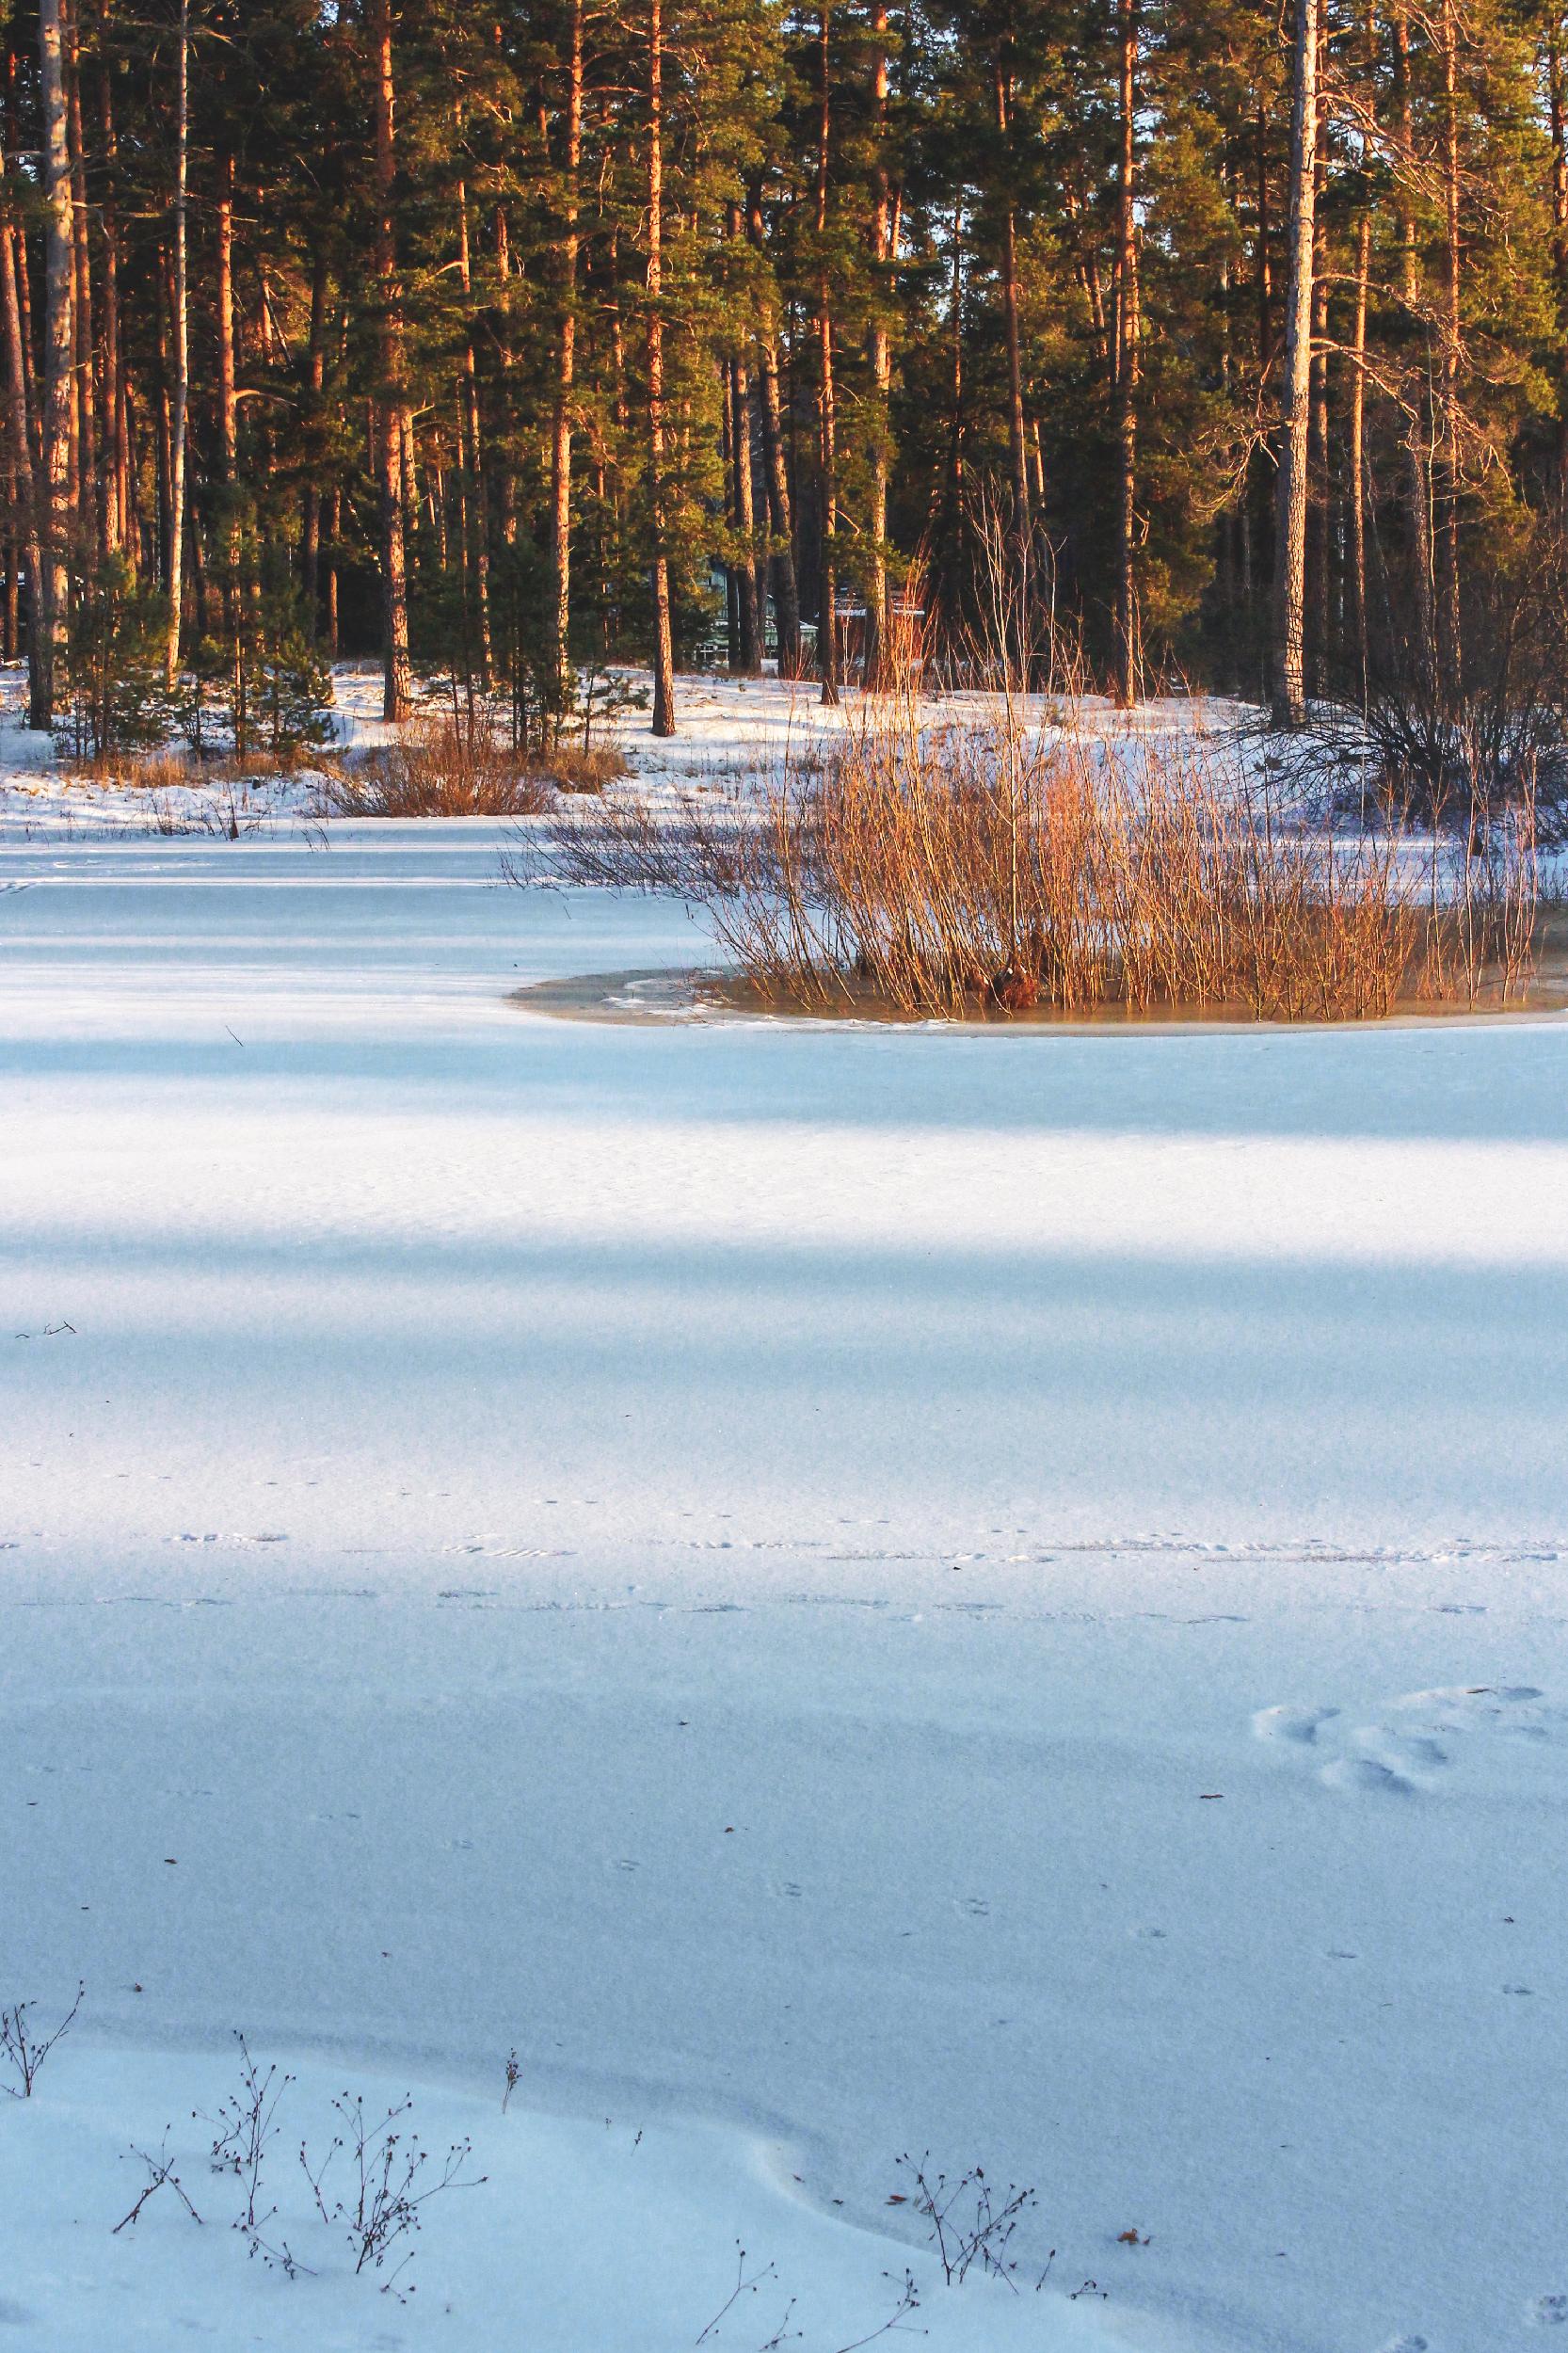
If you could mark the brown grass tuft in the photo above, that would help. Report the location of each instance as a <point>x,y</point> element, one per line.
<point>436,769</point>
<point>171,770</point>
<point>577,771</point>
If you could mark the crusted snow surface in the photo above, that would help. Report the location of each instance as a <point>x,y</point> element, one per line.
<point>842,1592</point>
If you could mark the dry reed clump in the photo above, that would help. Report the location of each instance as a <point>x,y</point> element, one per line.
<point>437,769</point>
<point>573,769</point>
<point>170,770</point>
<point>1003,867</point>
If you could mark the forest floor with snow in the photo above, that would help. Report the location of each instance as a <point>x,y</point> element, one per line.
<point>842,1592</point>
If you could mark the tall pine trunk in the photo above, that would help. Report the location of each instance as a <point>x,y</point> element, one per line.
<point>117,533</point>
<point>880,355</point>
<point>1418,436</point>
<point>1453,648</point>
<point>952,472</point>
<point>749,646</point>
<point>566,369</point>
<point>60,356</point>
<point>1358,456</point>
<point>476,516</point>
<point>397,696</point>
<point>1128,651</point>
<point>664,649</point>
<point>85,387</point>
<point>1018,526</point>
<point>828,414</point>
<point>309,528</point>
<point>24,442</point>
<point>174,553</point>
<point>228,427</point>
<point>776,475</point>
<point>1289,683</point>
<point>1560,241</point>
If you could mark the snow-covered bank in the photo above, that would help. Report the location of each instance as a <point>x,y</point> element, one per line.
<point>731,733</point>
<point>593,2233</point>
<point>1000,1594</point>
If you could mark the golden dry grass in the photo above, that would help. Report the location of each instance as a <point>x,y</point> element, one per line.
<point>174,770</point>
<point>437,769</point>
<point>946,869</point>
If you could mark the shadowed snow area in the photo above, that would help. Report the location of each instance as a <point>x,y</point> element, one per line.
<point>840,1591</point>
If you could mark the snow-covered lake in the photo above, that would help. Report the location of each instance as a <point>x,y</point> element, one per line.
<point>841,1592</point>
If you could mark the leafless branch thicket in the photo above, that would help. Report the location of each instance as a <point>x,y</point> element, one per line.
<point>752,2283</point>
<point>160,2175</point>
<point>246,2126</point>
<point>24,2049</point>
<point>388,2186</point>
<point>971,2226</point>
<point>908,2303</point>
<point>439,768</point>
<point>743,2286</point>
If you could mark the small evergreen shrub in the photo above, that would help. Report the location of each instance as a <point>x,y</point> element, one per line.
<point>114,696</point>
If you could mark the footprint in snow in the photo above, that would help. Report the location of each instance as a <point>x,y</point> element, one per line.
<point>975,1908</point>
<point>1409,1751</point>
<point>1385,1760</point>
<point>1365,1772</point>
<point>1548,2312</point>
<point>1519,1711</point>
<point>1299,1725</point>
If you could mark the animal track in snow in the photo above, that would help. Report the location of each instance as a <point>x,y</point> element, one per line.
<point>1548,2312</point>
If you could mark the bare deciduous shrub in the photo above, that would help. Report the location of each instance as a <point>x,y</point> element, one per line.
<point>743,2286</point>
<point>383,2202</point>
<point>24,2049</point>
<point>439,768</point>
<point>753,2283</point>
<point>783,2334</point>
<point>246,2126</point>
<point>1454,728</point>
<point>1007,861</point>
<point>221,813</point>
<point>160,2175</point>
<point>898,2319</point>
<point>970,2227</point>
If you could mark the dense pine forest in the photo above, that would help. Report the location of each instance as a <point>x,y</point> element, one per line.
<point>519,340</point>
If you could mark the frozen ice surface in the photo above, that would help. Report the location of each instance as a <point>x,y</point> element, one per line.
<point>840,1591</point>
